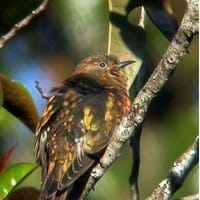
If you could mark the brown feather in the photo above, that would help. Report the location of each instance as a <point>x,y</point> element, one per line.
<point>75,128</point>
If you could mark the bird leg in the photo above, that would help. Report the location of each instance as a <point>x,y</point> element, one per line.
<point>43,95</point>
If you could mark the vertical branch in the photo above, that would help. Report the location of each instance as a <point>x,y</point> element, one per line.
<point>135,146</point>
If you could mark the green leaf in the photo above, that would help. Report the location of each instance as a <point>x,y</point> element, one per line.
<point>6,156</point>
<point>125,40</point>
<point>18,101</point>
<point>13,175</point>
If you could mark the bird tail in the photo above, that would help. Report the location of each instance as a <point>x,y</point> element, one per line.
<point>60,184</point>
<point>73,192</point>
<point>58,196</point>
<point>49,189</point>
<point>78,186</point>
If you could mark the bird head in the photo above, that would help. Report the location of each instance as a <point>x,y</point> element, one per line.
<point>107,70</point>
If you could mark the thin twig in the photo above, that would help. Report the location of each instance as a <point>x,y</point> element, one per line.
<point>175,52</point>
<point>181,167</point>
<point>24,22</point>
<point>43,95</point>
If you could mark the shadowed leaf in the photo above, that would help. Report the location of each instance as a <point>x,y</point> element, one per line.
<point>13,175</point>
<point>18,101</point>
<point>161,14</point>
<point>6,156</point>
<point>23,192</point>
<point>125,40</point>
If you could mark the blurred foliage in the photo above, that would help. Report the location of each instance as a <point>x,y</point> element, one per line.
<point>49,48</point>
<point>24,192</point>
<point>126,40</point>
<point>18,101</point>
<point>1,95</point>
<point>12,13</point>
<point>85,22</point>
<point>6,156</point>
<point>161,14</point>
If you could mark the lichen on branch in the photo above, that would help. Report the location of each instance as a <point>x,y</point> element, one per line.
<point>175,52</point>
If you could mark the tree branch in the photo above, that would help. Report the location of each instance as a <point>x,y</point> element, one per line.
<point>24,22</point>
<point>191,197</point>
<point>175,52</point>
<point>181,167</point>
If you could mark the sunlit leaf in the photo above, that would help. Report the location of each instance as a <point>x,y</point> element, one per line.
<point>18,101</point>
<point>13,175</point>
<point>23,192</point>
<point>6,156</point>
<point>161,14</point>
<point>125,40</point>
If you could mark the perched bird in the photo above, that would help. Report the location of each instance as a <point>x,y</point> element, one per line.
<point>77,124</point>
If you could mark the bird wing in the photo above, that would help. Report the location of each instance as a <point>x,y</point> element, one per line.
<point>100,114</point>
<point>74,128</point>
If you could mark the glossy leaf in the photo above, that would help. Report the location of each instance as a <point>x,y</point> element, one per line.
<point>6,156</point>
<point>126,40</point>
<point>13,175</point>
<point>23,192</point>
<point>18,101</point>
<point>161,14</point>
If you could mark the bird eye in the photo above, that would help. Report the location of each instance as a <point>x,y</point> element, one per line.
<point>102,65</point>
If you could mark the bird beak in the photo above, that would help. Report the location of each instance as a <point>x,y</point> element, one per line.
<point>125,63</point>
